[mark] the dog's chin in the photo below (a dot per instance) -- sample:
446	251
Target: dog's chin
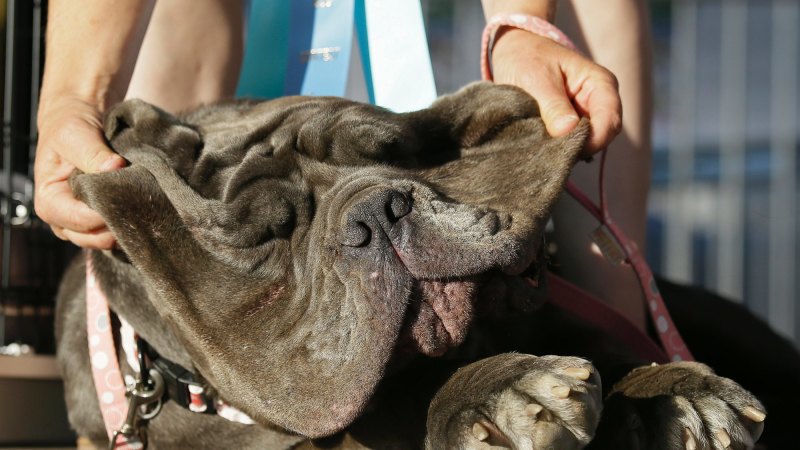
442	311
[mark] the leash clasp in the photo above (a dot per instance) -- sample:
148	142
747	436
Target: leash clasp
144	403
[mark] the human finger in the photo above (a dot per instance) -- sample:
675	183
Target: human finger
598	99
532	62
80	142
557	112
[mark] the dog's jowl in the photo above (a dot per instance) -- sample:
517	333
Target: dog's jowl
341	276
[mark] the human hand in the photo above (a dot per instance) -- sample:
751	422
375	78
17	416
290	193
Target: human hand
70	137
566	84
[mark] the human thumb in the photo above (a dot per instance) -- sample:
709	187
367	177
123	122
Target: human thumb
555	108
89	153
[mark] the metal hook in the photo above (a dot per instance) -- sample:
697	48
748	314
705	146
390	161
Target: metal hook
141	395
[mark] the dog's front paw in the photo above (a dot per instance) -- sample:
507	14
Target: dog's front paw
517	401
682	405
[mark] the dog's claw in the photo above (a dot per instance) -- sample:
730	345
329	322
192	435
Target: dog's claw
754	414
723	438
480	432
688	440
533	409
560	391
578	372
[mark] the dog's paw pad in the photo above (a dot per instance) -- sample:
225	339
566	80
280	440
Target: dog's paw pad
562	397
527	403
681	405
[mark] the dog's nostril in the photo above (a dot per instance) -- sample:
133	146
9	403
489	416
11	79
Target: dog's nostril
357	234
398	206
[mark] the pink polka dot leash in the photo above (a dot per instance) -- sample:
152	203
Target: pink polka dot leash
108	381
611	240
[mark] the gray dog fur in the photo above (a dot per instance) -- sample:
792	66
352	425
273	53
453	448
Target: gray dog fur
307	257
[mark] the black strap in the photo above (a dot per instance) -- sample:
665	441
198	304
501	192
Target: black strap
177	380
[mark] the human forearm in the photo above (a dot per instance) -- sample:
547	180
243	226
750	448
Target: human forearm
92	48
545	9
91	51
191	54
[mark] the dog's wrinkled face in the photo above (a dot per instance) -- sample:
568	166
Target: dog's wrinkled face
295	245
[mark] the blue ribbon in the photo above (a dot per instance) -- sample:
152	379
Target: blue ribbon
320	43
310	53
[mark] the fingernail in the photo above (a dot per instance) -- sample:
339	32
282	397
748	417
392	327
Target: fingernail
565	123
112	163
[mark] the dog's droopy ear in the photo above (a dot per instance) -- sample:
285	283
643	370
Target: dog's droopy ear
145	123
243	220
507	161
477	112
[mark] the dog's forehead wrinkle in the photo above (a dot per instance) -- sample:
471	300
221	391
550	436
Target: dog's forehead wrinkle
254	114
356	134
229	221
262	130
257	175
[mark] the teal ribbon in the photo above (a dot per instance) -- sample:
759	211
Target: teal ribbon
304	47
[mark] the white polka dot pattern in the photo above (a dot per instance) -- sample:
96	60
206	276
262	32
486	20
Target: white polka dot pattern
105	368
661	324
100	360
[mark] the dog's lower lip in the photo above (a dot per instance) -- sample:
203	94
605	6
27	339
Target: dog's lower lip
439	316
442	310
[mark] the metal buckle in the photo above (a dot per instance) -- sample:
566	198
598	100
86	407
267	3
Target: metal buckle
144	403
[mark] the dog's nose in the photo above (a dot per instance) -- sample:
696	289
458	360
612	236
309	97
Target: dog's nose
376	210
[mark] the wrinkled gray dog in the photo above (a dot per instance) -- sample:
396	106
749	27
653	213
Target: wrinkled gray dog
351	278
